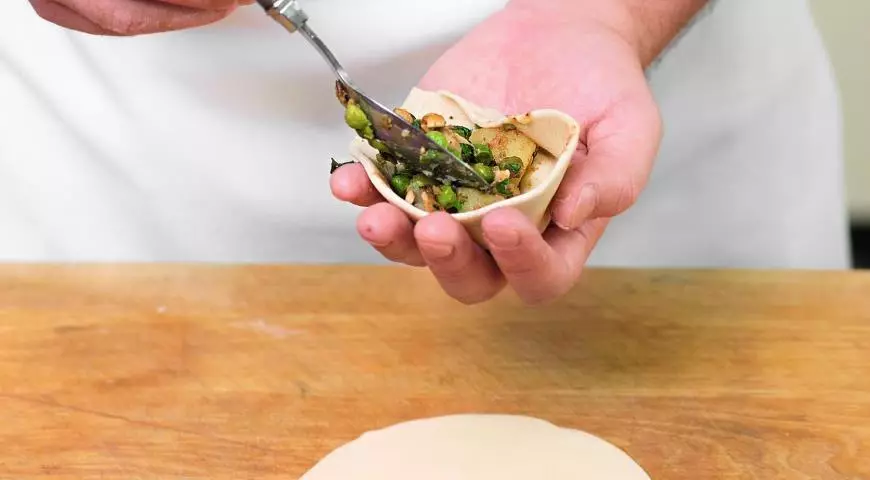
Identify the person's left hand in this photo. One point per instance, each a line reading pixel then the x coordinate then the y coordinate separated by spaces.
pixel 513 63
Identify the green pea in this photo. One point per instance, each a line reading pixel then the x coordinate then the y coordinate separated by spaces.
pixel 446 197
pixel 485 171
pixel 428 156
pixel 513 164
pixel 400 184
pixel 419 181
pixel 482 153
pixel 463 132
pixel 355 117
pixel 379 145
pixel 438 138
pixel 466 152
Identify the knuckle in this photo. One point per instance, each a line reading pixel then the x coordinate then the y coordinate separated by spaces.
pixel 540 301
pixel 123 23
pixel 413 261
pixel 449 270
pixel 625 194
pixel 475 296
pixel 458 271
pixel 541 297
pixel 524 263
pixel 548 287
pixel 401 254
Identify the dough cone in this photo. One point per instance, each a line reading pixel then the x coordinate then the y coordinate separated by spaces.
pixel 556 133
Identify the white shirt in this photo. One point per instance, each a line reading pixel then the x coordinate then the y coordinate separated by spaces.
pixel 214 144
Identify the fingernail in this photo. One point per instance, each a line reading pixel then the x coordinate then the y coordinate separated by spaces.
pixel 502 237
pixel 436 250
pixel 582 208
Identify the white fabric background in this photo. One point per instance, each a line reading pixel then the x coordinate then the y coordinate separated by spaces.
pixel 214 144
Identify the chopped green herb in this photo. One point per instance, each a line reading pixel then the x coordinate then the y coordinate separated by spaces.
pixel 512 164
pixel 466 152
pixel 503 187
pixel 335 165
pixel 463 132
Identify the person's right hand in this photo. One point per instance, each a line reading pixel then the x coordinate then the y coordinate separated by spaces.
pixel 583 57
pixel 133 17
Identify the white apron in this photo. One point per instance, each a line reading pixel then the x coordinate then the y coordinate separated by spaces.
pixel 214 144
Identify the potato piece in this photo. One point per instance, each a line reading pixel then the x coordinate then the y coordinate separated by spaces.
pixel 506 143
pixel 471 199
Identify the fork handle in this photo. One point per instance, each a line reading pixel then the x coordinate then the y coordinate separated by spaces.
pixel 293 19
pixel 286 12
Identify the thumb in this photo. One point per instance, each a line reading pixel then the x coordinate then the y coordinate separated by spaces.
pixel 606 178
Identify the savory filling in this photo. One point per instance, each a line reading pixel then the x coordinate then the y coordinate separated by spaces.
pixel 500 155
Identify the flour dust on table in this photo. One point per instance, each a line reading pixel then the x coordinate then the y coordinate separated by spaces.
pixel 477 447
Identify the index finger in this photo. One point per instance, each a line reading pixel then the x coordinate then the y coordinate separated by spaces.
pixel 350 183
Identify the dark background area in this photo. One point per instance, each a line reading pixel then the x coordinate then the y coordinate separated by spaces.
pixel 861 245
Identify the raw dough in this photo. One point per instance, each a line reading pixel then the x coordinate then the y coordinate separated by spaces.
pixel 477 447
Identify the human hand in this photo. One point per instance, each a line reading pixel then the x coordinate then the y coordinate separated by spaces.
pixel 518 60
pixel 133 17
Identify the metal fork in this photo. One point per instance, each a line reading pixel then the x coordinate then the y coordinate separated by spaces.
pixel 407 143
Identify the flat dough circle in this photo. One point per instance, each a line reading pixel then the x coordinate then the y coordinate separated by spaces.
pixel 477 447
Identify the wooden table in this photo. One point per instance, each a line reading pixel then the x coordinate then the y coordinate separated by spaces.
pixel 182 372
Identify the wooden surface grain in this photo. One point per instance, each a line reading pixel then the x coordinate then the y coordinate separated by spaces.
pixel 206 372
